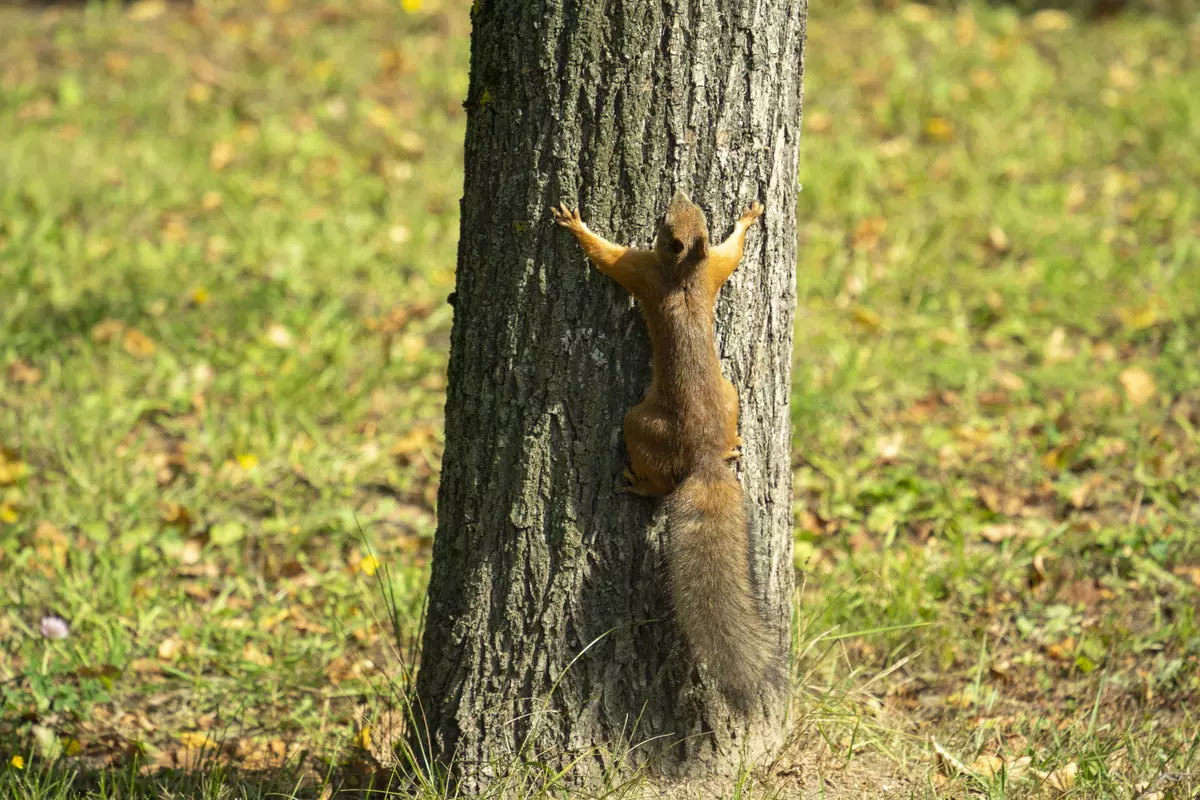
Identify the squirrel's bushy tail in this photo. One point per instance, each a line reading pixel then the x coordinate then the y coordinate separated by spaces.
pixel 709 563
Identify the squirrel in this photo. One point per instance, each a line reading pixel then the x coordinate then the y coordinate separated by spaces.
pixel 683 437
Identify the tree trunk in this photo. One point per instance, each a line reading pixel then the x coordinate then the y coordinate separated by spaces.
pixel 549 636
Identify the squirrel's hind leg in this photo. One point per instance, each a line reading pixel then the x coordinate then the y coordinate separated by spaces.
pixel 652 442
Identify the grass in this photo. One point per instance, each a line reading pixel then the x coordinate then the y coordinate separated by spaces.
pixel 226 238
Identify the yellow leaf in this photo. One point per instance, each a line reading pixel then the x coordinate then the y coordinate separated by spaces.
pixel 983 79
pixel 147 10
pixel 369 565
pixel 379 116
pixel 199 93
pixel 867 233
pixel 73 747
pixel 1062 780
pixel 1057 349
pixel 220 156
pixel 176 514
pixel 107 330
pixel 23 372
pixel 999 533
pixel 1138 319
pixel 987 765
pixel 137 344
pixel 364 738
pixel 939 128
pixel 1192 573
pixel 195 739
pixel 1008 380
pixel 964 29
pixel 1122 77
pixel 322 69
pixel 11 469
pixel 916 12
pixel 257 657
pixel 998 240
pixel 117 62
pixel 279 336
pixel 1139 386
pixel 247 461
pixel 1051 20
pixel 868 318
pixel 418 438
pixel 170 649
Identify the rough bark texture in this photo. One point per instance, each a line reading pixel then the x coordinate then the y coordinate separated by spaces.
pixel 549 635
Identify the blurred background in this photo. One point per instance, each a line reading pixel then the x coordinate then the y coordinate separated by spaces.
pixel 227 234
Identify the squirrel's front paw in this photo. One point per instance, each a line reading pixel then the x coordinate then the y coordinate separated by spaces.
pixel 752 212
pixel 567 217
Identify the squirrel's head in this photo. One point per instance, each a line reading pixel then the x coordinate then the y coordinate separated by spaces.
pixel 683 235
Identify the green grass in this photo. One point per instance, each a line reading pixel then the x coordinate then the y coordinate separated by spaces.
pixel 226 239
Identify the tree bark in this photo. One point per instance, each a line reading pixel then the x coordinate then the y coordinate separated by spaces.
pixel 549 636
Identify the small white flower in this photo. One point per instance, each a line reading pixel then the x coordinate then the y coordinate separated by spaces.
pixel 54 627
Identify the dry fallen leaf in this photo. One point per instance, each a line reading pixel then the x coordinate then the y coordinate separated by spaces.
pixel 1192 573
pixel 1122 77
pixel 23 372
pixel 147 10
pixel 917 12
pixel 999 533
pixel 998 240
pixel 987 765
pixel 419 439
pixel 947 763
pixel 220 156
pixel 1063 779
pixel 1062 651
pixel 117 62
pixel 1051 20
pixel 51 546
pixel 867 233
pixel 256 656
pixel 1057 350
pixel 279 336
pixel 1139 386
pixel 137 344
pixel 170 649
pixel 817 122
pixel 107 330
pixel 176 514
pixel 196 739
pixel 888 448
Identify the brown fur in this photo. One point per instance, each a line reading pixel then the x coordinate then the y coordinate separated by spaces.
pixel 681 436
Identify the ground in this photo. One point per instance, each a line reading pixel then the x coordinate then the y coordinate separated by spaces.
pixel 227 234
